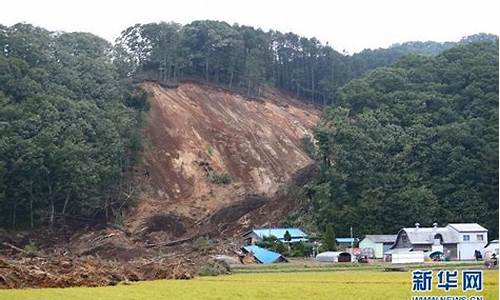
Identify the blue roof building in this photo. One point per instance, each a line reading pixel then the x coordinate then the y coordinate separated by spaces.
pixel 256 235
pixel 262 255
pixel 347 241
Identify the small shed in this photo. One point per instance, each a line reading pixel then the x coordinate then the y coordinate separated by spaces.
pixel 379 243
pixel 334 256
pixel 263 255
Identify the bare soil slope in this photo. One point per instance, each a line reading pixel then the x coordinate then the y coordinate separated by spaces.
pixel 198 133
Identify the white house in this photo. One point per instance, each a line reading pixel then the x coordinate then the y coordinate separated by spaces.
pixel 471 237
pixel 457 241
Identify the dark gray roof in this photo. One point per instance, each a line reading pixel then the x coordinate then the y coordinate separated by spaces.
pixel 425 235
pixel 382 238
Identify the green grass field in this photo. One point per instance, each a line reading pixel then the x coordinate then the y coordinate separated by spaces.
pixel 308 265
pixel 360 284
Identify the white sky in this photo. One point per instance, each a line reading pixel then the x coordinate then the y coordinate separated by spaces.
pixel 348 24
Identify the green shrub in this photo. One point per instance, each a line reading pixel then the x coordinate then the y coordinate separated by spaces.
pixel 210 151
pixel 274 244
pixel 301 249
pixel 201 244
pixel 221 178
pixel 308 145
pixel 214 268
pixel 30 250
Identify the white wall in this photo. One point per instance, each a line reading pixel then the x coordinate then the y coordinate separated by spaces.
pixel 406 257
pixel 466 249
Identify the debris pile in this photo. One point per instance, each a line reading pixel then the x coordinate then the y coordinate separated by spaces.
pixel 62 271
pixel 100 258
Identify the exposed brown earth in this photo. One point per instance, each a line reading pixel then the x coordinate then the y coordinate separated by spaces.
pixel 198 132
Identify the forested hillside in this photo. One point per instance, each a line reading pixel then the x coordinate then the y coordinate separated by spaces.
pixel 416 142
pixel 244 58
pixel 70 119
pixel 68 127
pixel 369 59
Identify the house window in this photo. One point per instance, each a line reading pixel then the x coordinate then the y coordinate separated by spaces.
pixel 438 239
pixel 480 237
pixel 404 238
pixel 466 237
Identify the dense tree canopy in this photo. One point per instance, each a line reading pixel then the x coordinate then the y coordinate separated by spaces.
pixel 416 142
pixel 244 58
pixel 68 127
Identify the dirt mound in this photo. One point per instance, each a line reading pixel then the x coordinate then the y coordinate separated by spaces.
pixel 233 212
pixel 106 244
pixel 275 209
pixel 166 222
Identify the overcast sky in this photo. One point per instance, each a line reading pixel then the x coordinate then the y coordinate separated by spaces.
pixel 350 25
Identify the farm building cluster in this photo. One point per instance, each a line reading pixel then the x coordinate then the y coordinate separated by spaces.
pixel 461 241
pixel 453 242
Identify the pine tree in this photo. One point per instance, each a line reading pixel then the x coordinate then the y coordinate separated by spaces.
pixel 329 238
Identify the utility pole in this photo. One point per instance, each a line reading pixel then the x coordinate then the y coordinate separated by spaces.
pixel 352 241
